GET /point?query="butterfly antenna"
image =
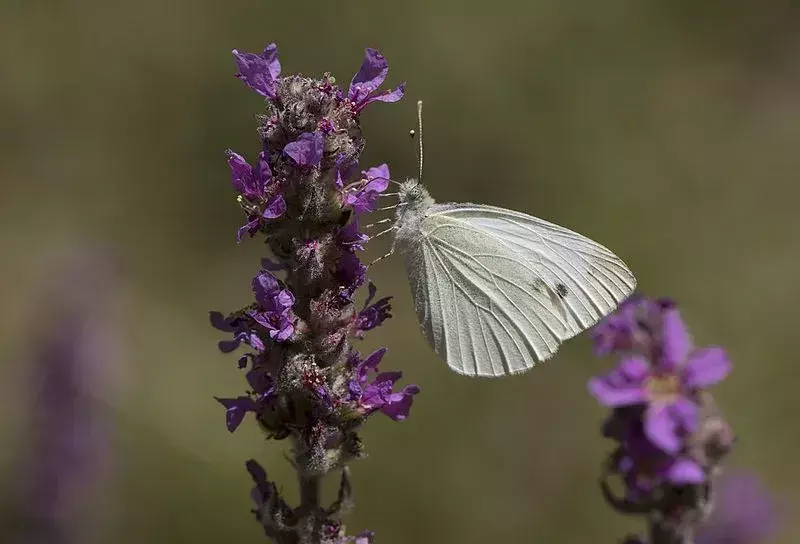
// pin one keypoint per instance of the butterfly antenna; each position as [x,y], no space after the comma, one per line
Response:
[421,155]
[413,133]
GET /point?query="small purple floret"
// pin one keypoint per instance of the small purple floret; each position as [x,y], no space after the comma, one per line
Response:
[371,75]
[260,72]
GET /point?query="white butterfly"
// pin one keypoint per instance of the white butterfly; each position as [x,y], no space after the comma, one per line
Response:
[496,290]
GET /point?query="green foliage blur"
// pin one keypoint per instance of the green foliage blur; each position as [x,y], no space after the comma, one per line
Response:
[668,131]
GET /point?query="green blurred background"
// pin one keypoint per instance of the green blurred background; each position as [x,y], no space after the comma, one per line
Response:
[668,131]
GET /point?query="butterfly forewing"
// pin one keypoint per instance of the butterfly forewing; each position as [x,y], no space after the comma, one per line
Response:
[497,291]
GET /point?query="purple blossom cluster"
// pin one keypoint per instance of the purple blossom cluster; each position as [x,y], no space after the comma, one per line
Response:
[72,363]
[307,382]
[670,435]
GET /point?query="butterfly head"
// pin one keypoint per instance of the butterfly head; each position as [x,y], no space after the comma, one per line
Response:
[413,194]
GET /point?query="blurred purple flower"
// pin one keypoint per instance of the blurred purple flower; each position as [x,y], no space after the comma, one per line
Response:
[306,150]
[743,513]
[633,327]
[365,199]
[644,467]
[666,385]
[260,72]
[73,369]
[371,75]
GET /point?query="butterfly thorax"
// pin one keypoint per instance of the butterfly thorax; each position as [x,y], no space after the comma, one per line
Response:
[415,203]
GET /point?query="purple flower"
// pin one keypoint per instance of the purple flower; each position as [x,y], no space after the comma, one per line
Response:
[249,183]
[254,186]
[243,334]
[667,385]
[631,328]
[275,307]
[307,149]
[371,75]
[236,409]
[373,315]
[260,72]
[743,513]
[379,394]
[365,199]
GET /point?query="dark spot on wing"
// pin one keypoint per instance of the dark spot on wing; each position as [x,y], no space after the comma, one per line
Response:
[561,290]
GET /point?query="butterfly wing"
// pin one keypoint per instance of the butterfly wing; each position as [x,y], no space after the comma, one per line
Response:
[497,291]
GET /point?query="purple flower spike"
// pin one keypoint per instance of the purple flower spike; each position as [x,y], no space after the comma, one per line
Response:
[370,76]
[260,72]
[365,199]
[305,380]
[306,150]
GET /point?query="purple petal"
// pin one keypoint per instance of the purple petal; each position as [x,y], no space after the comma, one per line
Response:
[389,96]
[370,76]
[706,367]
[248,228]
[241,173]
[263,172]
[265,285]
[306,150]
[284,333]
[685,471]
[371,292]
[259,72]
[399,404]
[284,299]
[219,321]
[686,414]
[275,207]
[256,343]
[676,340]
[609,395]
[661,428]
[635,369]
[227,346]
[236,410]
[377,177]
[273,266]
[373,359]
[263,487]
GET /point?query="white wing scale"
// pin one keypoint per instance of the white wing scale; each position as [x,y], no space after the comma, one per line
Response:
[497,291]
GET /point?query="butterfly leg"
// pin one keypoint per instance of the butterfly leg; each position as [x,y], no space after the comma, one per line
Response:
[387,220]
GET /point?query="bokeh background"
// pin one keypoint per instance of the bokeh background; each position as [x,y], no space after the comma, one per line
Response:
[668,131]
